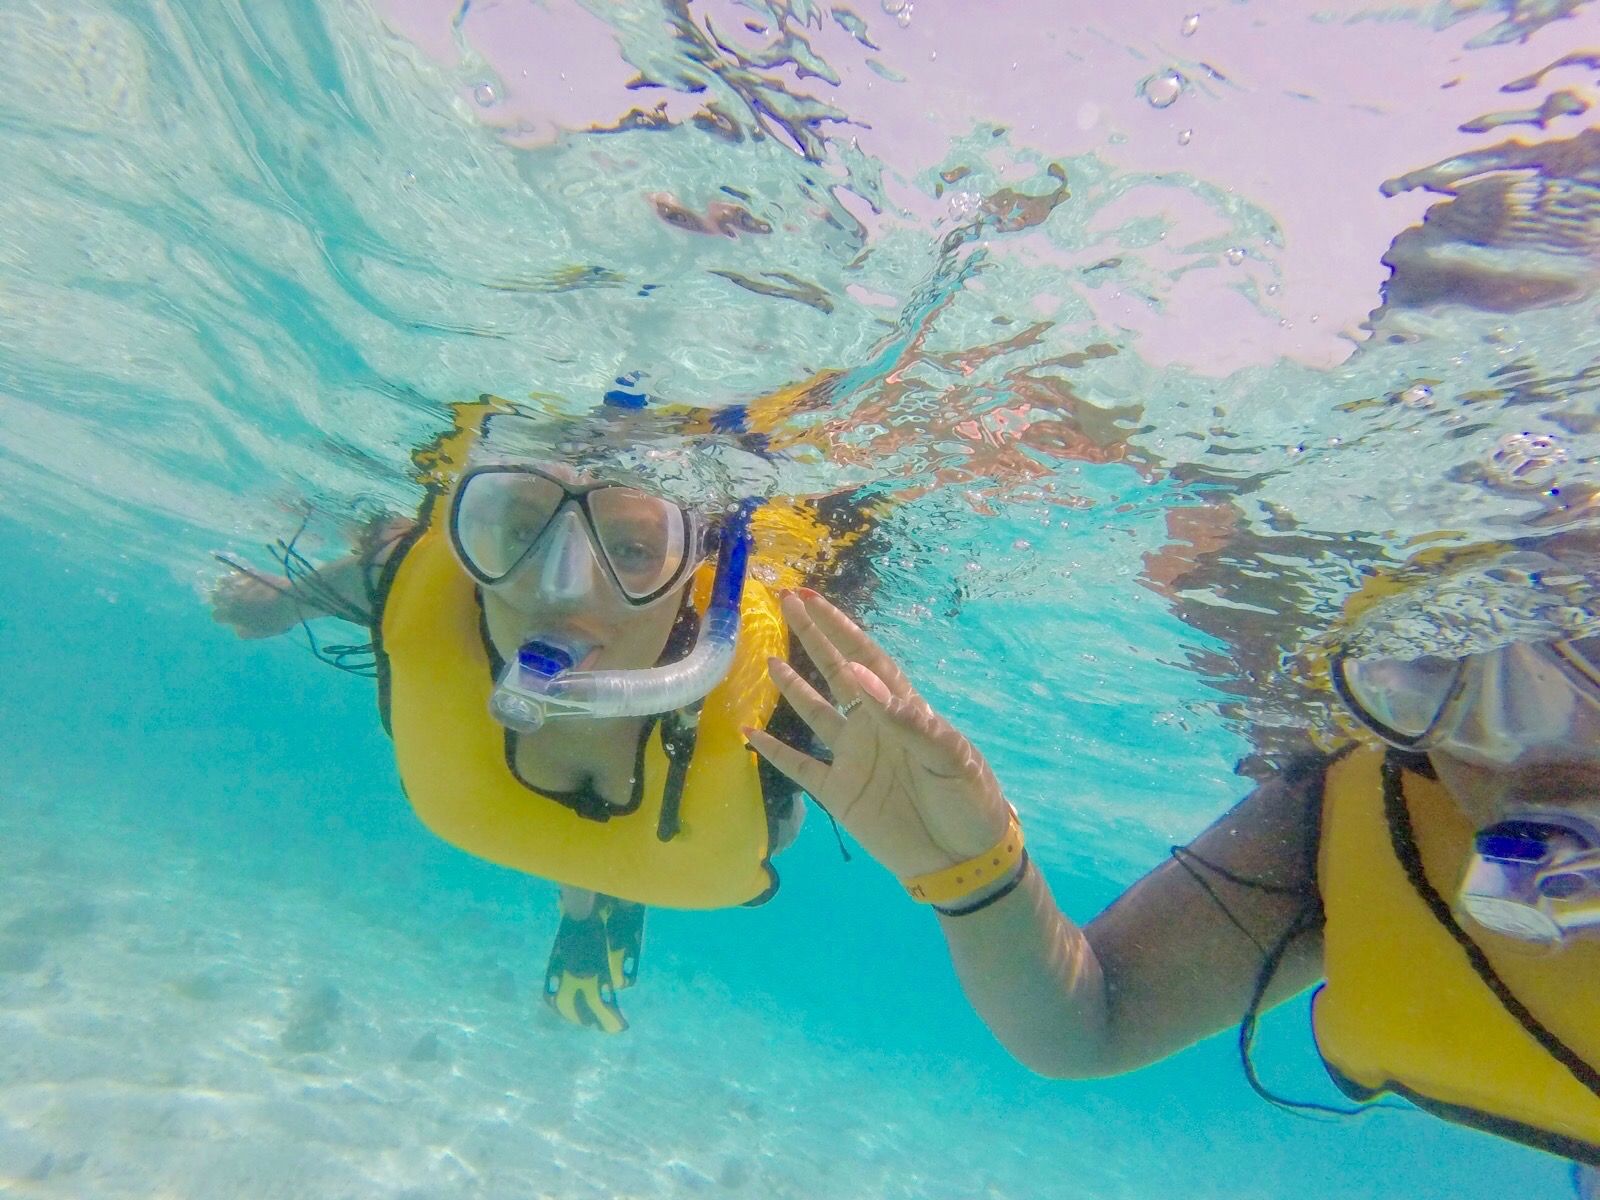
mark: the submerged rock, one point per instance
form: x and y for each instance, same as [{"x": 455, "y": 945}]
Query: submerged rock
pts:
[
  {"x": 311, "y": 1019},
  {"x": 735, "y": 1173},
  {"x": 503, "y": 986},
  {"x": 202, "y": 985},
  {"x": 428, "y": 1048}
]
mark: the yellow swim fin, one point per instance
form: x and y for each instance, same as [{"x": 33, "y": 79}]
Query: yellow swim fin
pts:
[
  {"x": 578, "y": 982},
  {"x": 624, "y": 939}
]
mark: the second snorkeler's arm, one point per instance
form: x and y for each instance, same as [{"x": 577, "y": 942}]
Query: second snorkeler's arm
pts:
[{"x": 1169, "y": 963}]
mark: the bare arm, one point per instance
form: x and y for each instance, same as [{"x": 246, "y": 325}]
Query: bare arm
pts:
[
  {"x": 1176, "y": 958},
  {"x": 1165, "y": 965},
  {"x": 257, "y": 604}
]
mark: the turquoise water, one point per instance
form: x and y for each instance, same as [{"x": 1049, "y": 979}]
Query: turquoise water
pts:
[{"x": 248, "y": 257}]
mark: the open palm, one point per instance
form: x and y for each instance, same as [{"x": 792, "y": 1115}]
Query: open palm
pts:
[{"x": 905, "y": 783}]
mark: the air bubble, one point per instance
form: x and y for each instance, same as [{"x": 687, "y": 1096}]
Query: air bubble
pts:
[
  {"x": 1190, "y": 24},
  {"x": 1526, "y": 459},
  {"x": 484, "y": 95},
  {"x": 1273, "y": 289},
  {"x": 1162, "y": 89},
  {"x": 900, "y": 10},
  {"x": 1418, "y": 395},
  {"x": 1185, "y": 137},
  {"x": 963, "y": 204},
  {"x": 1234, "y": 254}
]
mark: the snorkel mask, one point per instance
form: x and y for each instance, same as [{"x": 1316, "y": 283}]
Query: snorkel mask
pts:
[
  {"x": 630, "y": 498},
  {"x": 513, "y": 513},
  {"x": 1507, "y": 707},
  {"x": 541, "y": 682},
  {"x": 1536, "y": 875}
]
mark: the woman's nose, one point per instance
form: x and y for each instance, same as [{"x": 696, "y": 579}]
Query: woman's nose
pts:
[
  {"x": 567, "y": 571},
  {"x": 1518, "y": 700}
]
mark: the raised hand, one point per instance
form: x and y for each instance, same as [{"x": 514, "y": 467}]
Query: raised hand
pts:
[{"x": 905, "y": 783}]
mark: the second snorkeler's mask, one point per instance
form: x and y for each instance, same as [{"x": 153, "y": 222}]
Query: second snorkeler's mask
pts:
[
  {"x": 1518, "y": 704},
  {"x": 1492, "y": 654}
]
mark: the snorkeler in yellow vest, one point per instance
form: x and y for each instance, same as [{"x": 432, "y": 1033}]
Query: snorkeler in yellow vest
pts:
[
  {"x": 1443, "y": 877},
  {"x": 566, "y": 653}
]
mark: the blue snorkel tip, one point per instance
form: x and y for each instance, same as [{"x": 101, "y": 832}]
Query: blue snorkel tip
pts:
[{"x": 733, "y": 558}]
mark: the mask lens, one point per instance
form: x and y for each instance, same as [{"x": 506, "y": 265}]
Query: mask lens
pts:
[
  {"x": 1404, "y": 697},
  {"x": 498, "y": 517},
  {"x": 644, "y": 538}
]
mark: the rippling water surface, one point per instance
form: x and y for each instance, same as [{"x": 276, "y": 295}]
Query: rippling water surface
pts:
[{"x": 1154, "y": 326}]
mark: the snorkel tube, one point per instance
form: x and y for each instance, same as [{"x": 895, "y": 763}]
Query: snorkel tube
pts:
[{"x": 540, "y": 684}]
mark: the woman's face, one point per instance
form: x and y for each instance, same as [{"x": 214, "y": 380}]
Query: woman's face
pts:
[
  {"x": 1492, "y": 793},
  {"x": 565, "y": 589},
  {"x": 1524, "y": 730}
]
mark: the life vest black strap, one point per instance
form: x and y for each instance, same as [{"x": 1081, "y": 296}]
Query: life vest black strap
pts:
[{"x": 678, "y": 739}]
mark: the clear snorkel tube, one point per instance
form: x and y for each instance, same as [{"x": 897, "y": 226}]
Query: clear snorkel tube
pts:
[{"x": 540, "y": 684}]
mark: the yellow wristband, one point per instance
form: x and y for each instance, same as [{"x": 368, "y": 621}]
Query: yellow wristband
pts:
[{"x": 952, "y": 883}]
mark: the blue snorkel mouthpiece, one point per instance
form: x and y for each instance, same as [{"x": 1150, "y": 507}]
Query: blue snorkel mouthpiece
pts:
[
  {"x": 545, "y": 658},
  {"x": 540, "y": 683},
  {"x": 520, "y": 699}
]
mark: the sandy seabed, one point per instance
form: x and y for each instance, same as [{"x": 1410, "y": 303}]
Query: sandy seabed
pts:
[
  {"x": 173, "y": 1025},
  {"x": 224, "y": 999}
]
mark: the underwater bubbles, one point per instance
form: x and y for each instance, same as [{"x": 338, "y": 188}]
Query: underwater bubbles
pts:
[
  {"x": 1185, "y": 136},
  {"x": 485, "y": 95},
  {"x": 1526, "y": 459},
  {"x": 1162, "y": 89},
  {"x": 1235, "y": 255},
  {"x": 900, "y": 10},
  {"x": 963, "y": 204},
  {"x": 1190, "y": 24}
]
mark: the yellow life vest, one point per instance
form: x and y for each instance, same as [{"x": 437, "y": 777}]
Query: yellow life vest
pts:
[
  {"x": 436, "y": 674},
  {"x": 1475, "y": 1027}
]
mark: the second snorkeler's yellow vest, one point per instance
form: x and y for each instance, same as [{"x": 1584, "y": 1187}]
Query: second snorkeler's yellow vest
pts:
[
  {"x": 1474, "y": 1027},
  {"x": 454, "y": 759}
]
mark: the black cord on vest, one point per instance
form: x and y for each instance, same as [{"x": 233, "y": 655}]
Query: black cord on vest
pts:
[
  {"x": 1307, "y": 920},
  {"x": 1403, "y": 837},
  {"x": 1308, "y": 772}
]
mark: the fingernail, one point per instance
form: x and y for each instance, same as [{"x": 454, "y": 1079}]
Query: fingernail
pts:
[{"x": 808, "y": 594}]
